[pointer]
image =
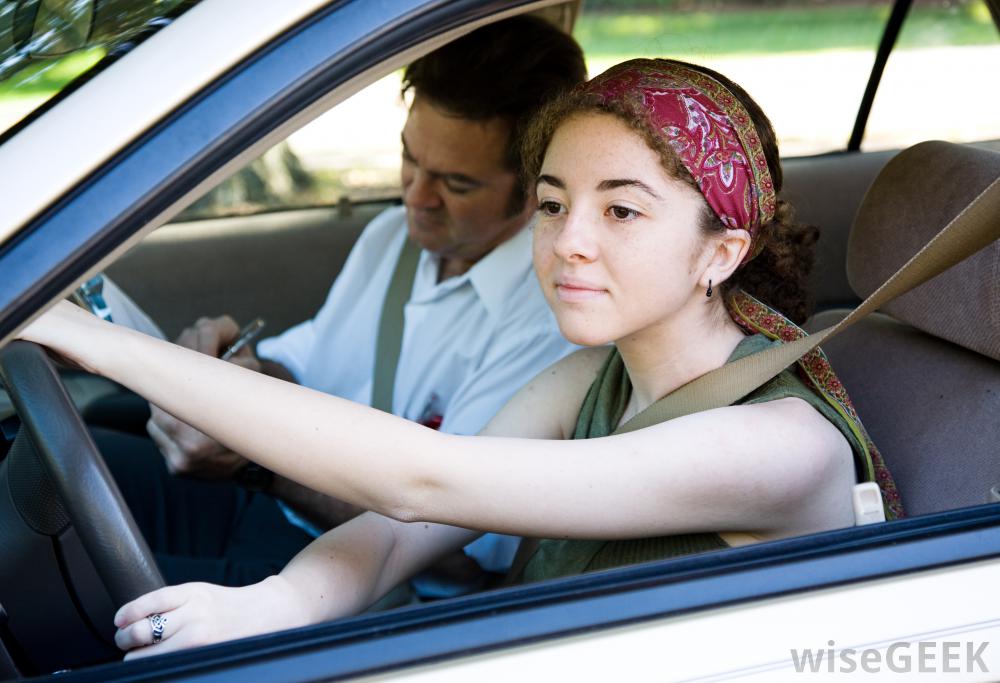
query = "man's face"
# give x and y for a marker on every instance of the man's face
(456, 186)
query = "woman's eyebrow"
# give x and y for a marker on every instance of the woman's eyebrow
(615, 183)
(550, 180)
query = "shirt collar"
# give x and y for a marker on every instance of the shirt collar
(493, 277)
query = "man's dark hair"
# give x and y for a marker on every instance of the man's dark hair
(505, 70)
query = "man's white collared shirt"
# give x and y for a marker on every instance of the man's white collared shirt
(469, 342)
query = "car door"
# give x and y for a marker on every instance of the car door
(707, 609)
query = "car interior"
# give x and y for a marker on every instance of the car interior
(924, 373)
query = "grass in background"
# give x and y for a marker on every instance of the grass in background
(769, 30)
(47, 76)
(607, 32)
(30, 87)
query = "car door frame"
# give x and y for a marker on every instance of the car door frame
(146, 183)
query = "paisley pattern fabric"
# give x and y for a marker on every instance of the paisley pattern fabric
(708, 129)
(756, 317)
(714, 137)
(600, 414)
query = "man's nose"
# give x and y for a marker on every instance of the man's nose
(420, 191)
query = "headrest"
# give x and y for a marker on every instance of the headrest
(917, 193)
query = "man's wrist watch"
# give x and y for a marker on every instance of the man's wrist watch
(253, 477)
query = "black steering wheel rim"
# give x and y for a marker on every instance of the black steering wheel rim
(92, 500)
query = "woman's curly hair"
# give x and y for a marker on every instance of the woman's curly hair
(779, 274)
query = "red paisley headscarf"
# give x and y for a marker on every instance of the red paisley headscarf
(713, 135)
(707, 127)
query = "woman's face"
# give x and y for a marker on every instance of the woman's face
(617, 246)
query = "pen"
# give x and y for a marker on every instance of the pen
(247, 335)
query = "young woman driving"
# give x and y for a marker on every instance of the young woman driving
(658, 216)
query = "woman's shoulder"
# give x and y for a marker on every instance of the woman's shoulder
(790, 384)
(548, 405)
(584, 362)
(568, 381)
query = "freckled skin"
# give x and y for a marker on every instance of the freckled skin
(642, 248)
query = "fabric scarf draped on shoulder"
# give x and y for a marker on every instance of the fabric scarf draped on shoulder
(606, 401)
(715, 138)
(713, 135)
(815, 370)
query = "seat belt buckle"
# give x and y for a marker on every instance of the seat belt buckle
(90, 296)
(868, 508)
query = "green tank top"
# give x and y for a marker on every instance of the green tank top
(600, 414)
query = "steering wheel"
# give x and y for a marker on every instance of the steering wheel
(59, 485)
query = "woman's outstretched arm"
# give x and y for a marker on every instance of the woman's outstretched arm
(358, 454)
(776, 468)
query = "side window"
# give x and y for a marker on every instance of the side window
(349, 154)
(270, 239)
(940, 81)
(806, 63)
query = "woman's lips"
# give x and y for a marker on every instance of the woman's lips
(572, 292)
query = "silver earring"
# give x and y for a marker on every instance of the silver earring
(708, 292)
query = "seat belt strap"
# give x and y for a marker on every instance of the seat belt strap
(389, 342)
(974, 228)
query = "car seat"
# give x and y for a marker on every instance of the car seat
(924, 373)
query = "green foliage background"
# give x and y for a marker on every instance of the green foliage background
(613, 28)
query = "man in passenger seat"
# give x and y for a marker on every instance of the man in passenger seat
(475, 326)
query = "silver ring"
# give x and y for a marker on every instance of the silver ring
(156, 622)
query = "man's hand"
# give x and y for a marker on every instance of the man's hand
(212, 336)
(187, 450)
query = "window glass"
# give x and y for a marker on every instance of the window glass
(941, 79)
(805, 62)
(350, 153)
(46, 44)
